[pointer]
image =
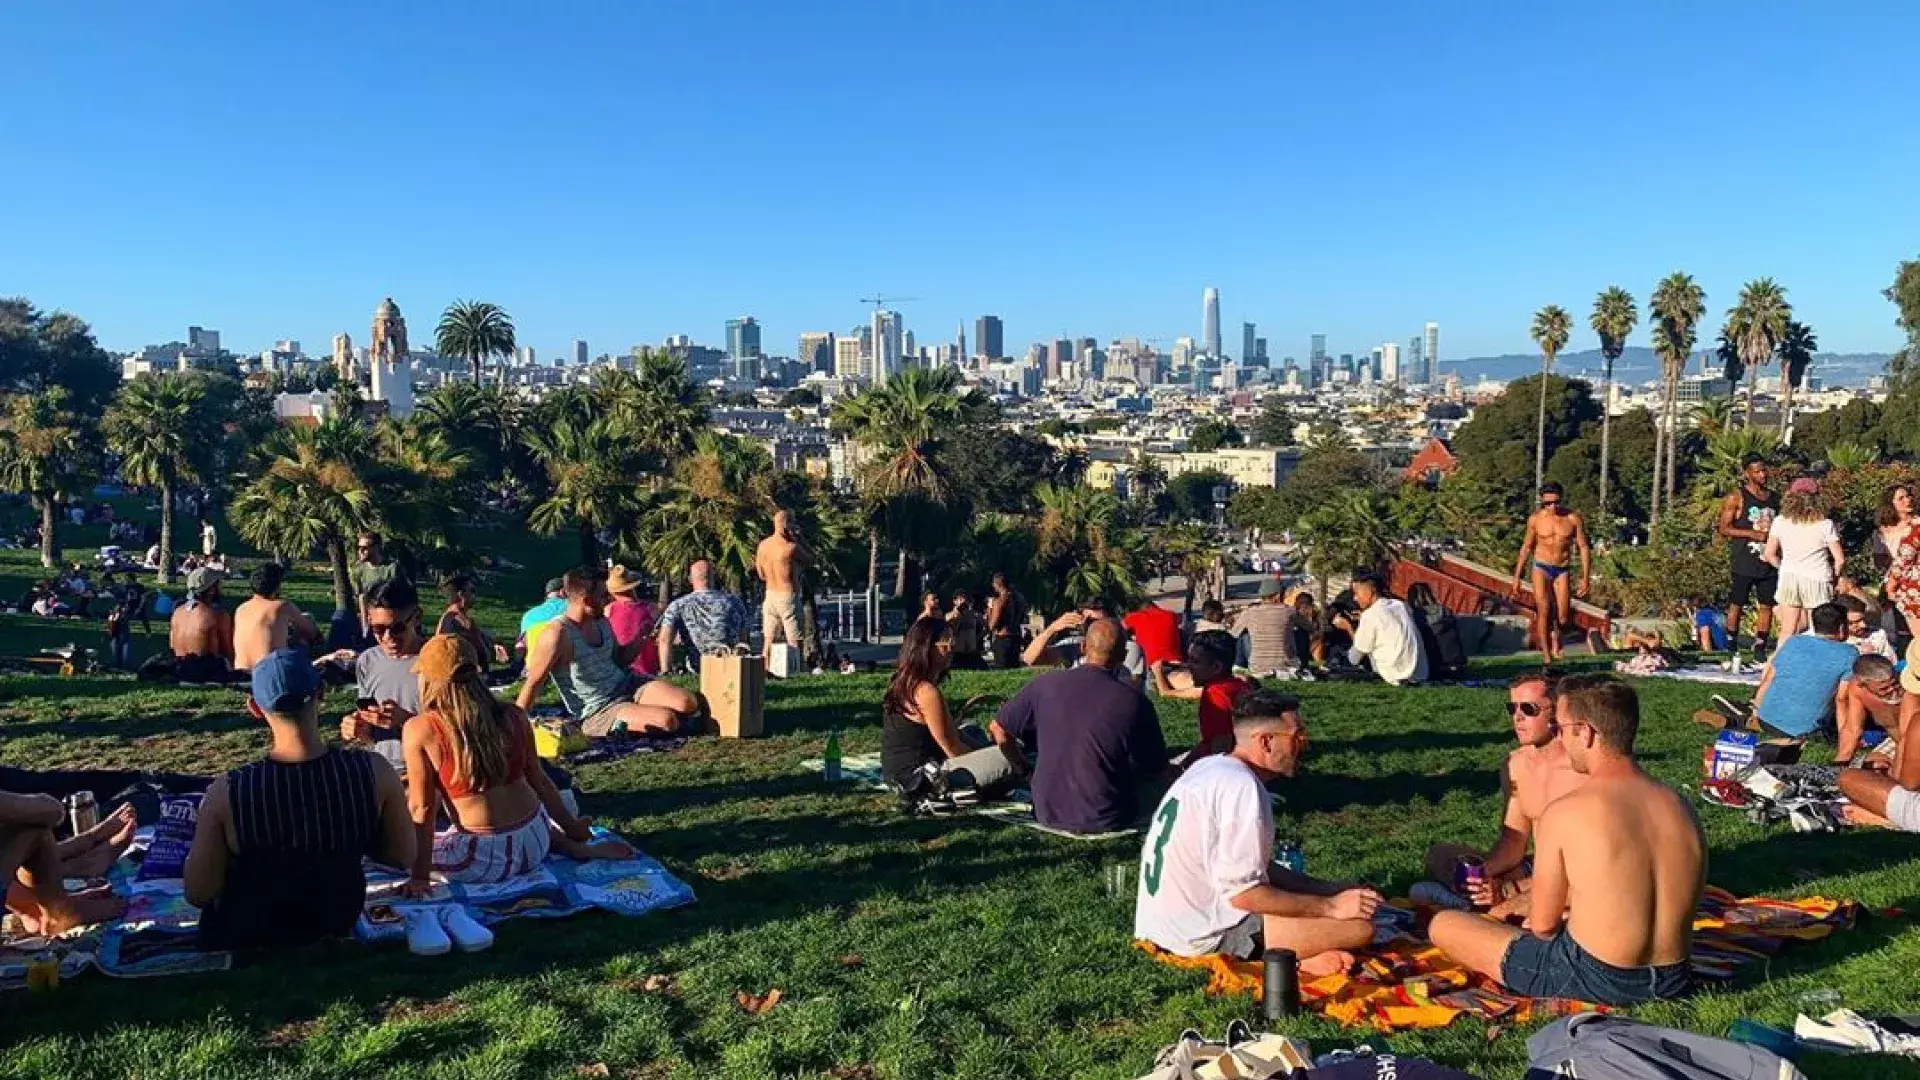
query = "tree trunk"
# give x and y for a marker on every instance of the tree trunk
(343, 598)
(900, 576)
(589, 545)
(49, 533)
(166, 530)
(1540, 435)
(1786, 402)
(809, 621)
(475, 362)
(1653, 503)
(1673, 438)
(1606, 439)
(1753, 383)
(873, 562)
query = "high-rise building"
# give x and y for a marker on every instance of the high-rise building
(1388, 362)
(889, 344)
(1037, 356)
(579, 353)
(817, 352)
(1260, 353)
(987, 337)
(1317, 351)
(1430, 356)
(1346, 364)
(1247, 340)
(849, 358)
(1183, 350)
(1411, 367)
(1210, 322)
(743, 338)
(528, 357)
(960, 346)
(1373, 365)
(1058, 357)
(203, 342)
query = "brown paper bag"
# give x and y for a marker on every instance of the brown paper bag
(735, 686)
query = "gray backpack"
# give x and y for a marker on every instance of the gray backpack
(1595, 1046)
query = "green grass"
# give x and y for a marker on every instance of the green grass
(905, 949)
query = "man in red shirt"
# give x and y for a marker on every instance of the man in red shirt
(1215, 686)
(1157, 631)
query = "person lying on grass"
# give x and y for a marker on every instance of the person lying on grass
(917, 729)
(1207, 879)
(1888, 789)
(1536, 774)
(277, 848)
(473, 753)
(34, 865)
(593, 672)
(1617, 874)
(1210, 662)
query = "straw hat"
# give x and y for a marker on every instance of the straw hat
(619, 581)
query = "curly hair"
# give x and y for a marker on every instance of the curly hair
(1803, 506)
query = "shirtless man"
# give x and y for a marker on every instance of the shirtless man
(1552, 532)
(266, 623)
(1887, 791)
(1617, 873)
(1874, 693)
(778, 561)
(201, 632)
(1536, 774)
(1005, 612)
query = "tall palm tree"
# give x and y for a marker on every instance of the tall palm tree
(660, 407)
(1085, 548)
(156, 426)
(1713, 416)
(590, 486)
(314, 492)
(1796, 350)
(476, 330)
(718, 509)
(43, 448)
(1614, 317)
(1756, 324)
(1677, 305)
(898, 423)
(1351, 532)
(1550, 329)
(1149, 477)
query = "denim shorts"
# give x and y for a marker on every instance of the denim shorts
(1557, 967)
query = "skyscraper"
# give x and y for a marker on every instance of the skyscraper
(1389, 362)
(743, 338)
(960, 346)
(816, 351)
(889, 340)
(1412, 368)
(1319, 371)
(1259, 353)
(849, 362)
(1374, 363)
(987, 337)
(1430, 356)
(1247, 342)
(1058, 358)
(1183, 349)
(580, 353)
(1210, 322)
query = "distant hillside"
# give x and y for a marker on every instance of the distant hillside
(1638, 364)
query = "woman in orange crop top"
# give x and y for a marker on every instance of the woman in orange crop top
(473, 753)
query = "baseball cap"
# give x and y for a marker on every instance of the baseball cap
(555, 586)
(1806, 485)
(1910, 675)
(199, 580)
(1271, 587)
(284, 680)
(445, 658)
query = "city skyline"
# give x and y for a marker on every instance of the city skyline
(199, 198)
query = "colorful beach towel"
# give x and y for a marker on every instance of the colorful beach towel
(1407, 984)
(1710, 673)
(861, 771)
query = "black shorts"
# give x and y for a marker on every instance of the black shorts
(1759, 588)
(1006, 652)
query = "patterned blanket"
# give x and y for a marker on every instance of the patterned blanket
(1407, 984)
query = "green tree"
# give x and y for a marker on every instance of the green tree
(1677, 306)
(659, 406)
(800, 397)
(1323, 473)
(1904, 294)
(1550, 329)
(475, 330)
(719, 508)
(1795, 349)
(1086, 549)
(1274, 426)
(589, 484)
(1851, 455)
(1713, 416)
(1613, 319)
(1350, 533)
(1756, 324)
(994, 469)
(44, 448)
(1147, 479)
(43, 350)
(157, 426)
(1857, 422)
(314, 492)
(1575, 467)
(1493, 446)
(1211, 435)
(899, 424)
(1191, 493)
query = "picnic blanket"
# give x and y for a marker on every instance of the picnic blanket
(1710, 673)
(1407, 984)
(862, 771)
(156, 934)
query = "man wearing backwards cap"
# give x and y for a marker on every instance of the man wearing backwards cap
(201, 632)
(277, 848)
(1894, 793)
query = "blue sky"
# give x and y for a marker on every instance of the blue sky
(621, 172)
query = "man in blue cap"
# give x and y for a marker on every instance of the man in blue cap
(277, 848)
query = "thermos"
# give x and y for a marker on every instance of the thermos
(1473, 871)
(82, 812)
(1280, 986)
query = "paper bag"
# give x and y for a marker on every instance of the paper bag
(735, 686)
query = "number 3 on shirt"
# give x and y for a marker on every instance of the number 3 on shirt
(1163, 832)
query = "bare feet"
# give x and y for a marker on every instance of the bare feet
(79, 909)
(93, 853)
(1331, 962)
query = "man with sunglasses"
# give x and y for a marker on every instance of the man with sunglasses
(1546, 553)
(1889, 787)
(1873, 695)
(386, 686)
(372, 568)
(1536, 774)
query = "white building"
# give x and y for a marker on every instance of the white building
(1210, 321)
(393, 384)
(1389, 355)
(848, 360)
(1430, 356)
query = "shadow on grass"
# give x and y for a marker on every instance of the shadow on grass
(1330, 792)
(1785, 862)
(1414, 741)
(143, 725)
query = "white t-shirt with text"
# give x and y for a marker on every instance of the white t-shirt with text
(1210, 840)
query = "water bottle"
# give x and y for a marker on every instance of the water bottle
(1473, 871)
(83, 812)
(1288, 853)
(830, 760)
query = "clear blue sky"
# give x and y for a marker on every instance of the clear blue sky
(620, 172)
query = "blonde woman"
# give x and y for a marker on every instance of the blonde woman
(473, 754)
(1803, 544)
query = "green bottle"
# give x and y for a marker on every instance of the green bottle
(831, 759)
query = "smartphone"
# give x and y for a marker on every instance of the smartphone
(368, 703)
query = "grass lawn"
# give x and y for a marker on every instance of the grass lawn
(904, 948)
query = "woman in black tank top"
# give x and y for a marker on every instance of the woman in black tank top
(917, 728)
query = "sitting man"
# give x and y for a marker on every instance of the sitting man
(1617, 873)
(386, 690)
(201, 632)
(1157, 631)
(1207, 879)
(1873, 695)
(1862, 633)
(1265, 633)
(538, 617)
(1384, 635)
(1095, 736)
(1536, 774)
(277, 849)
(1214, 686)
(593, 672)
(34, 865)
(710, 619)
(1890, 789)
(1053, 645)
(1804, 675)
(265, 623)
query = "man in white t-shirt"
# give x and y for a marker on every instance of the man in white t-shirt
(1385, 635)
(1207, 879)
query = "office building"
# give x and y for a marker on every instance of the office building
(579, 353)
(1210, 322)
(888, 344)
(1058, 358)
(1372, 366)
(1388, 362)
(960, 345)
(203, 342)
(527, 356)
(1430, 356)
(1346, 365)
(817, 351)
(1413, 369)
(1260, 353)
(987, 337)
(1247, 340)
(1037, 357)
(1183, 349)
(743, 338)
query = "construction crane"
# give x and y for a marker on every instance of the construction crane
(881, 300)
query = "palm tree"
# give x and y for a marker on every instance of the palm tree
(1614, 317)
(719, 508)
(1550, 327)
(155, 425)
(659, 406)
(42, 448)
(313, 493)
(1085, 548)
(899, 423)
(476, 330)
(1756, 325)
(1352, 532)
(1149, 477)
(1677, 305)
(1796, 349)
(590, 483)
(1713, 416)
(1851, 455)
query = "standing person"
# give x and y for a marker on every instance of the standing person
(1006, 614)
(456, 620)
(1745, 517)
(1546, 553)
(779, 561)
(1899, 535)
(265, 622)
(1385, 635)
(372, 569)
(209, 538)
(386, 688)
(1208, 883)
(1618, 867)
(918, 730)
(593, 673)
(634, 618)
(1804, 548)
(967, 634)
(709, 619)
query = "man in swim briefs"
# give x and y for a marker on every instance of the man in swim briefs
(1546, 553)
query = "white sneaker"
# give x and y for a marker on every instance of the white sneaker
(425, 935)
(464, 929)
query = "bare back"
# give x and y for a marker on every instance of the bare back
(1553, 536)
(200, 629)
(775, 561)
(1632, 860)
(261, 625)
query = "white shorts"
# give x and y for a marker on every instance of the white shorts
(1802, 592)
(1903, 809)
(486, 858)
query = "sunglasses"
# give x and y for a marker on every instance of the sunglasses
(385, 629)
(1528, 709)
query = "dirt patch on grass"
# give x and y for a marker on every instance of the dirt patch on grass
(413, 1010)
(292, 1034)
